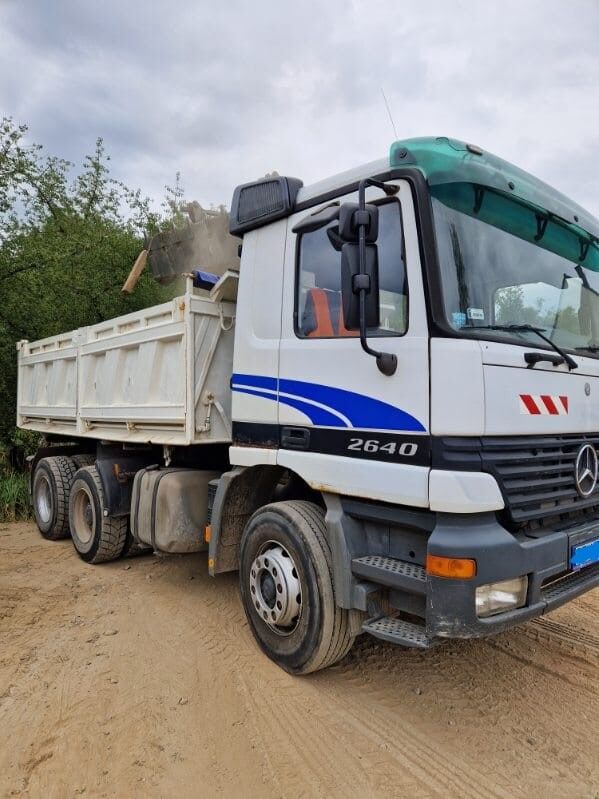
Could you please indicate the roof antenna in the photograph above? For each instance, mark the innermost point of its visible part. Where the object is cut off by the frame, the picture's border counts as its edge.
(389, 112)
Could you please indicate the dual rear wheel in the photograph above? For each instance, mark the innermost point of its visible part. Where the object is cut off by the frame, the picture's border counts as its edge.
(68, 498)
(286, 572)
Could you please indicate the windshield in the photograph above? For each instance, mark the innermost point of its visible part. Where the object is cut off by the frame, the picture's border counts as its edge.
(502, 264)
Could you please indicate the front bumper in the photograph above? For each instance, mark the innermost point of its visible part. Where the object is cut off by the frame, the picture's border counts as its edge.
(543, 557)
(379, 553)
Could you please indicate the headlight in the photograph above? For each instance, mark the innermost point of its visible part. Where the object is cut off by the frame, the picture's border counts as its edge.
(499, 597)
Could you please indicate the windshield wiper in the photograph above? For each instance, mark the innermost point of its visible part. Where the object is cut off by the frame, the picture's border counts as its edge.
(539, 331)
(588, 348)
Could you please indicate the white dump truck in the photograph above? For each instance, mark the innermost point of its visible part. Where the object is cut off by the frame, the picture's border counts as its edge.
(386, 420)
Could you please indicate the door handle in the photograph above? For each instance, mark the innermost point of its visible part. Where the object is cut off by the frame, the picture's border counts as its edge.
(533, 358)
(295, 438)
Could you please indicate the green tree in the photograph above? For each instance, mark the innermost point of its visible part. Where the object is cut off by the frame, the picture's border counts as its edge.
(509, 305)
(68, 238)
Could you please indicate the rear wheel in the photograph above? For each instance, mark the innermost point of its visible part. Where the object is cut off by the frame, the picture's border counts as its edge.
(287, 588)
(52, 482)
(96, 537)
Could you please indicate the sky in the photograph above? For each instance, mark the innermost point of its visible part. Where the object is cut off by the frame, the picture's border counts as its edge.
(224, 92)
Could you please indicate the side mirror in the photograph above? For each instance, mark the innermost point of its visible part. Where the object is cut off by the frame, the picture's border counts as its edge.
(354, 282)
(359, 228)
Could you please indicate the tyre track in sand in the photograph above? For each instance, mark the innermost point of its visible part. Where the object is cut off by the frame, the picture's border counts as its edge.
(219, 627)
(575, 640)
(179, 701)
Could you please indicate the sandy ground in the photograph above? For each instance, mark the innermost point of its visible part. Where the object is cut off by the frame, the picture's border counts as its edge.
(141, 679)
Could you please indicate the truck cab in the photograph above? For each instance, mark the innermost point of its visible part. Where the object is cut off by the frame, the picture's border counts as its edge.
(460, 491)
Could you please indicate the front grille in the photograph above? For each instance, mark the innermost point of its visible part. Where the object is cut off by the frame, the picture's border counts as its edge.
(535, 473)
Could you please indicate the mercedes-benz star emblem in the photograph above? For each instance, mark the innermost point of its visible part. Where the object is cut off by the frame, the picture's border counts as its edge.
(586, 470)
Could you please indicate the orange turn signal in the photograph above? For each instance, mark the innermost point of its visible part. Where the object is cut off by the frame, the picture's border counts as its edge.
(454, 568)
(207, 533)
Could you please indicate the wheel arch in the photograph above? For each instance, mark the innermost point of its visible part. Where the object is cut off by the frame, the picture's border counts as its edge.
(241, 492)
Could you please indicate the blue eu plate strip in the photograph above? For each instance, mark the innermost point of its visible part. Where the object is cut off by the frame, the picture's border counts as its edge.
(585, 554)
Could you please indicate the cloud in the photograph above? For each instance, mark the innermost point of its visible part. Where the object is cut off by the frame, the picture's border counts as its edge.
(226, 92)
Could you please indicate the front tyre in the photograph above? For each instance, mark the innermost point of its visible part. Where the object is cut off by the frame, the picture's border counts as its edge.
(96, 537)
(287, 588)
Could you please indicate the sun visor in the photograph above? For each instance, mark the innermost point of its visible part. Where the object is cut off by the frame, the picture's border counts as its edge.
(444, 161)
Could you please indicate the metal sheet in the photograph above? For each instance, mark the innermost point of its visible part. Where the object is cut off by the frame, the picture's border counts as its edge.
(159, 375)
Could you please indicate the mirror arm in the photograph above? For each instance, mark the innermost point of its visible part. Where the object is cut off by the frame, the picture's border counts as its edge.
(386, 361)
(317, 220)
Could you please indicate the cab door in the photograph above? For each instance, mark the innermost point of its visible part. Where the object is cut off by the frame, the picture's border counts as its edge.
(344, 426)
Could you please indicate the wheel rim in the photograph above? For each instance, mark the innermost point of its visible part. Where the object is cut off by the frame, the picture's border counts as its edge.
(84, 515)
(43, 499)
(275, 588)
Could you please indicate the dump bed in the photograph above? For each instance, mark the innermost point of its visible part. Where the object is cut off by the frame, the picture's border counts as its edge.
(159, 375)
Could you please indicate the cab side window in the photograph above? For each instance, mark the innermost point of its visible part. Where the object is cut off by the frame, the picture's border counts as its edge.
(319, 307)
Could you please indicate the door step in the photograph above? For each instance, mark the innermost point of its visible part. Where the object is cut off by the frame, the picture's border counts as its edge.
(398, 631)
(391, 572)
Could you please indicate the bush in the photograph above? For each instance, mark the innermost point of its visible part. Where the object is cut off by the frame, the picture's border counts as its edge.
(68, 239)
(14, 496)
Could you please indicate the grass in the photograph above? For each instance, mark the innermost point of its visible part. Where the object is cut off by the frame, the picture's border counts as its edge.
(14, 496)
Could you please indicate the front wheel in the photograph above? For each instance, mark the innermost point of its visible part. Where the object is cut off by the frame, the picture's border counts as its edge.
(287, 588)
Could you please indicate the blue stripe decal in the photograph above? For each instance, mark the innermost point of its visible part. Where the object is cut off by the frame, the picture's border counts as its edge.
(316, 415)
(362, 412)
(256, 381)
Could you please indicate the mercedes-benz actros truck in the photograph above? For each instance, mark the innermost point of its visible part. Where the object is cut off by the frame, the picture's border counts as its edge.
(387, 419)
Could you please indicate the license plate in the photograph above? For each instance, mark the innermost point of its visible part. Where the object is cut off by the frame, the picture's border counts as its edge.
(585, 554)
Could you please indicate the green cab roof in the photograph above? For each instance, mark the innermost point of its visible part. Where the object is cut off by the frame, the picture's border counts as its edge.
(443, 160)
(482, 185)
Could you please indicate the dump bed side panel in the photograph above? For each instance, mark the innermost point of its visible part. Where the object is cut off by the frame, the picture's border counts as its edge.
(48, 373)
(159, 375)
(132, 375)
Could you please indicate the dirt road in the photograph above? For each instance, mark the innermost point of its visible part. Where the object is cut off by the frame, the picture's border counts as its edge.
(140, 678)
